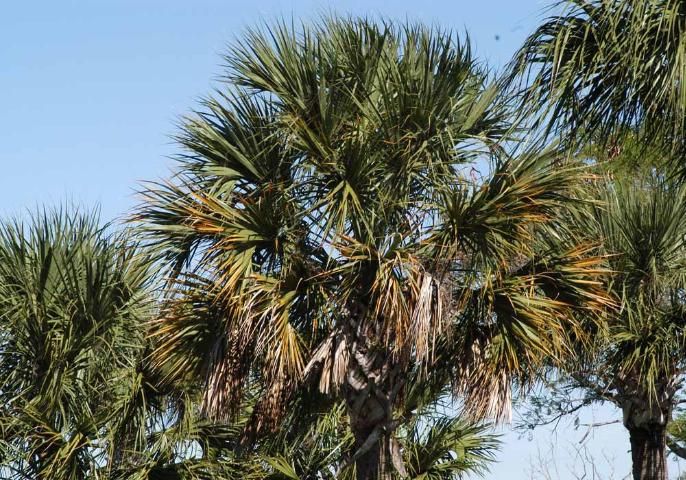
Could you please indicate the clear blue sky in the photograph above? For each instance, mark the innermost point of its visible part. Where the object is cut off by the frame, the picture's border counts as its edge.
(90, 92)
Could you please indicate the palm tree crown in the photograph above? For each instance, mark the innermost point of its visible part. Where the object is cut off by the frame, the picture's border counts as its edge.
(74, 300)
(324, 225)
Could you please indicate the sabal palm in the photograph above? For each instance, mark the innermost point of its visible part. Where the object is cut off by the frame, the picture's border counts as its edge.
(77, 398)
(74, 300)
(600, 66)
(324, 226)
(641, 221)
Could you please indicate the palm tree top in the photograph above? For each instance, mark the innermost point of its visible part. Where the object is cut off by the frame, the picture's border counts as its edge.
(327, 225)
(74, 300)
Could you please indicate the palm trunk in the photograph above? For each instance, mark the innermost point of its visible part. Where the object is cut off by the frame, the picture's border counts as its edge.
(374, 463)
(370, 411)
(646, 422)
(648, 453)
(370, 390)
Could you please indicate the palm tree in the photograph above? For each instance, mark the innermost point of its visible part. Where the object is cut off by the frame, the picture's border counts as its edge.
(78, 398)
(446, 449)
(639, 216)
(600, 66)
(324, 227)
(73, 302)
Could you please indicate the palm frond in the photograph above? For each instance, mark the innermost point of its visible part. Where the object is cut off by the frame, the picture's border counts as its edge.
(599, 68)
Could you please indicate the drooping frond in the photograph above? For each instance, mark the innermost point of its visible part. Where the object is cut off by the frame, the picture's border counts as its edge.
(600, 67)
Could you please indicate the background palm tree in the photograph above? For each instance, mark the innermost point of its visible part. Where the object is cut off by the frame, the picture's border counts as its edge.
(78, 398)
(638, 214)
(600, 66)
(324, 228)
(73, 303)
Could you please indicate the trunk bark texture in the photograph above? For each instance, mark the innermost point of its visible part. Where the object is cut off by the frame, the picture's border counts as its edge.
(371, 390)
(646, 422)
(648, 453)
(370, 396)
(374, 463)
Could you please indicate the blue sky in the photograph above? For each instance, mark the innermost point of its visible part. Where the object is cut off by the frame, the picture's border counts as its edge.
(90, 93)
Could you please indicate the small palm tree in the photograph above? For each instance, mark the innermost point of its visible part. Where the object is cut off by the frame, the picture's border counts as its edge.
(447, 449)
(600, 66)
(640, 218)
(74, 300)
(324, 226)
(78, 398)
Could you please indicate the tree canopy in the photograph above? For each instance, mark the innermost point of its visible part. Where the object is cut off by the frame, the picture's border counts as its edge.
(324, 227)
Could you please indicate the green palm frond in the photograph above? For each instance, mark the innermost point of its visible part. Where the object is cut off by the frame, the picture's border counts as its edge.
(600, 67)
(447, 449)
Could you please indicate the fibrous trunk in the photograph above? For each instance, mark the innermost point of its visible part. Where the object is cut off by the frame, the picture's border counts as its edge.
(373, 460)
(648, 453)
(370, 391)
(646, 419)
